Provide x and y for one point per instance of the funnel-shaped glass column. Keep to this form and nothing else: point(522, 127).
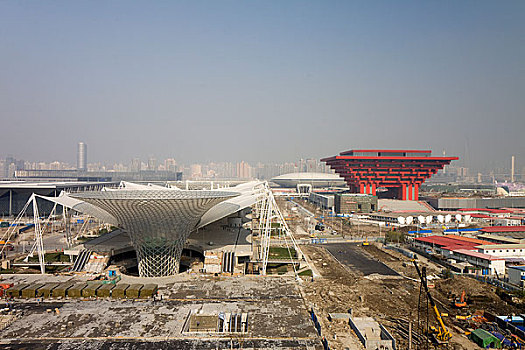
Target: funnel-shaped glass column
point(158, 221)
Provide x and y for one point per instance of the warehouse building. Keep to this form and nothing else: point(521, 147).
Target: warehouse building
point(348, 203)
point(323, 201)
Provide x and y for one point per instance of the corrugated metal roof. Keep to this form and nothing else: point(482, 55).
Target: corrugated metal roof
point(501, 246)
point(451, 242)
point(468, 239)
point(477, 254)
point(503, 229)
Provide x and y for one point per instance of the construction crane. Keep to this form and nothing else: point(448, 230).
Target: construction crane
point(443, 335)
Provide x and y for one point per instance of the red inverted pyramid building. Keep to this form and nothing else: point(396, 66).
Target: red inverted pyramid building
point(401, 172)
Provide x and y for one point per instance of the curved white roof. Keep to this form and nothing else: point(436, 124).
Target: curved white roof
point(151, 194)
point(227, 208)
point(308, 176)
point(83, 207)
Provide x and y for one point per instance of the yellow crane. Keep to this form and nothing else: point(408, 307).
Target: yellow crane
point(443, 335)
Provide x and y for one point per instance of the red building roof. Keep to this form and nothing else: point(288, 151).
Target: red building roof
point(468, 239)
point(452, 242)
point(480, 216)
point(493, 229)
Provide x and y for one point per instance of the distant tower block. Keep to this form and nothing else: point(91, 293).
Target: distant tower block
point(157, 221)
point(512, 159)
point(82, 156)
point(401, 171)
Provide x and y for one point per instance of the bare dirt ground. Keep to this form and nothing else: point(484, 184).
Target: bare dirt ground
point(391, 300)
point(342, 226)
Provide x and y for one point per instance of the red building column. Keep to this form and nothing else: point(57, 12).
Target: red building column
point(416, 192)
point(404, 192)
point(373, 189)
point(361, 188)
point(410, 190)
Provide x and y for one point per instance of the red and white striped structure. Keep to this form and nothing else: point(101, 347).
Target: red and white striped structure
point(401, 171)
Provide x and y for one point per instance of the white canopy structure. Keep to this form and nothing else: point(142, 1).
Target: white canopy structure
point(159, 219)
point(158, 222)
point(83, 207)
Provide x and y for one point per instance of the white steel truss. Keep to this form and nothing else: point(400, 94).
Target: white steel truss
point(268, 213)
point(38, 245)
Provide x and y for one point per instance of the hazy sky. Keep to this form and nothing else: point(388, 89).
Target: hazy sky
point(261, 80)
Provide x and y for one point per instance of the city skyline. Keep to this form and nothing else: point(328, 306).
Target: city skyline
point(262, 82)
point(241, 169)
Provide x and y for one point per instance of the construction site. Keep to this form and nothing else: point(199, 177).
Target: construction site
point(283, 274)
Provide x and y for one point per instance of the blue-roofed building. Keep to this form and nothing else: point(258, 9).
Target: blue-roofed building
point(516, 275)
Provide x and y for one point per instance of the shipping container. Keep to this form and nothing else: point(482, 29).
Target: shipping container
point(76, 290)
point(91, 290)
point(61, 290)
point(30, 292)
point(105, 290)
point(133, 291)
point(120, 290)
point(148, 290)
point(14, 292)
point(46, 290)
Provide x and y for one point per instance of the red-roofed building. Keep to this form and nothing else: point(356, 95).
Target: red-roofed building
point(503, 229)
point(489, 264)
point(463, 249)
point(444, 245)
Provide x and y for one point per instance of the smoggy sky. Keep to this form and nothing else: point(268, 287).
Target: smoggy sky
point(261, 80)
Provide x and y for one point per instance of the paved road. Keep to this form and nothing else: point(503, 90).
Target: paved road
point(350, 255)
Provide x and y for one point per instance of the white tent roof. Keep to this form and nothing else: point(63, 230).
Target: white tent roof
point(85, 208)
point(227, 208)
point(247, 198)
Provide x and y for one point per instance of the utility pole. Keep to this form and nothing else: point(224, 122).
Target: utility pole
point(409, 335)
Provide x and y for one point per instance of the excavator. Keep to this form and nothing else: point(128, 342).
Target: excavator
point(460, 302)
point(443, 335)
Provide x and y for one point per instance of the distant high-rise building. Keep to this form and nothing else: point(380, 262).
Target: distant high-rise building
point(82, 156)
point(170, 165)
point(244, 170)
point(152, 164)
point(196, 171)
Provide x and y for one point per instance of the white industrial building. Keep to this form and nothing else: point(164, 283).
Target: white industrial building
point(503, 250)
